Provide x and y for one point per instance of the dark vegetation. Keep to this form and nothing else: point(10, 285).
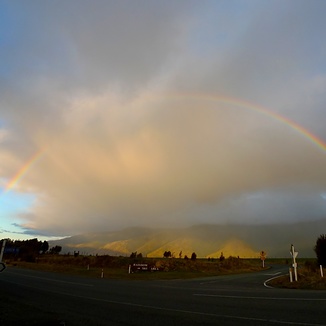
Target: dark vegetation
point(320, 250)
point(118, 267)
point(28, 250)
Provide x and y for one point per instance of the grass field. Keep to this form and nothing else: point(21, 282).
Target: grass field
point(118, 267)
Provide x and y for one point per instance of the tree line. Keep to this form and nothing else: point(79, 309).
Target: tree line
point(319, 248)
point(28, 250)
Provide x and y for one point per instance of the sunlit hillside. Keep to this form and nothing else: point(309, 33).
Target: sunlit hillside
point(205, 240)
point(235, 247)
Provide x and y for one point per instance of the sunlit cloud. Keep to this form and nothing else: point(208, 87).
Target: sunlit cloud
point(161, 114)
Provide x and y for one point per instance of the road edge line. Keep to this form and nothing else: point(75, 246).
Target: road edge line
point(273, 278)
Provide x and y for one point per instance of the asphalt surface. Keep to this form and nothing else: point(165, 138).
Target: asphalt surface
point(223, 300)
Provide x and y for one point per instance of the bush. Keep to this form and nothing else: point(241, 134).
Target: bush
point(320, 250)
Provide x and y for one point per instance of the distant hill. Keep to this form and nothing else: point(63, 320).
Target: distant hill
point(206, 240)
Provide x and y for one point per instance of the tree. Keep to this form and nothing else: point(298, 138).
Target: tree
point(55, 250)
point(167, 254)
point(133, 254)
point(193, 256)
point(320, 250)
point(44, 247)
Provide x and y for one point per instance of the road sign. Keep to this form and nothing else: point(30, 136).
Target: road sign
point(143, 268)
point(2, 267)
point(263, 257)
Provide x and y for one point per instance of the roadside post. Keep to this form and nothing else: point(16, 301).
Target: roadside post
point(290, 273)
point(321, 270)
point(295, 265)
point(2, 265)
point(2, 249)
point(263, 257)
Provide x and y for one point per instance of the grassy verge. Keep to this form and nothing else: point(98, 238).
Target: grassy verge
point(309, 278)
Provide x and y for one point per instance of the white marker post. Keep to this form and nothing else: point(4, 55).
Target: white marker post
point(295, 265)
point(263, 257)
point(321, 270)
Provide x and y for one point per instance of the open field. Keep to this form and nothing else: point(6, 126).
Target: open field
point(118, 267)
point(112, 267)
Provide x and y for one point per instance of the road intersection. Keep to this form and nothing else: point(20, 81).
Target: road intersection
point(223, 300)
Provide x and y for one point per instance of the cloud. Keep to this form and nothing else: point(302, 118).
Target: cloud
point(114, 95)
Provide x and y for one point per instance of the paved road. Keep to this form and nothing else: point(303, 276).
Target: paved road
point(224, 300)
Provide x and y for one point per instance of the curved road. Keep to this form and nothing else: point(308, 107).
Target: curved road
point(223, 300)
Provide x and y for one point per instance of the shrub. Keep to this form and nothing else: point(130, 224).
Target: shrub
point(320, 250)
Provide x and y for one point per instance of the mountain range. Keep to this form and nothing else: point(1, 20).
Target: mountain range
point(206, 240)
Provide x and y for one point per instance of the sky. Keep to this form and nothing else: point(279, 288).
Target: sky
point(116, 114)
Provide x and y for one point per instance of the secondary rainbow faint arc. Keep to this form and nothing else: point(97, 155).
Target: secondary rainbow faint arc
point(260, 109)
point(21, 172)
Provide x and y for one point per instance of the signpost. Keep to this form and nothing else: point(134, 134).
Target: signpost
point(295, 265)
point(142, 267)
point(2, 265)
point(2, 249)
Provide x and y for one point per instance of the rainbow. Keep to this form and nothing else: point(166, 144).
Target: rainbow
point(21, 172)
point(321, 144)
point(316, 141)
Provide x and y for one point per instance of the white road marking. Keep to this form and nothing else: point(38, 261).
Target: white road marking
point(280, 322)
point(268, 286)
point(277, 273)
point(256, 298)
point(194, 312)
